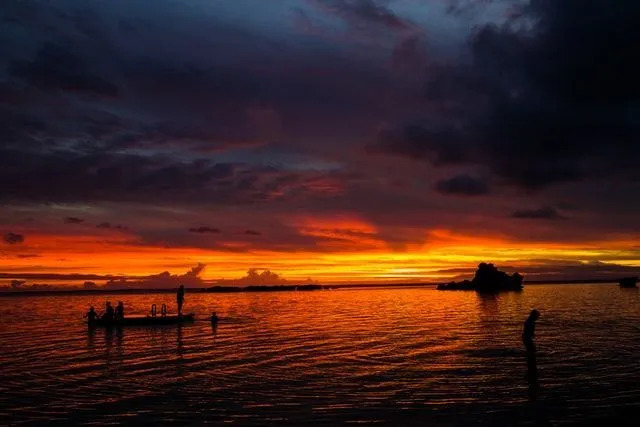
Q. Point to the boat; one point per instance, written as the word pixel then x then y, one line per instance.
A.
pixel 145 321
pixel 628 282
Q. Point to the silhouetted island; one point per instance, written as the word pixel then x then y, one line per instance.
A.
pixel 487 279
pixel 628 282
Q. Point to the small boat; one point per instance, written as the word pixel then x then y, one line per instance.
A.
pixel 628 282
pixel 144 321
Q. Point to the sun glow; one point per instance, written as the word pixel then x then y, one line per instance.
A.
pixel 444 255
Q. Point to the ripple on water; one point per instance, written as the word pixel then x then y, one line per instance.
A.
pixel 352 356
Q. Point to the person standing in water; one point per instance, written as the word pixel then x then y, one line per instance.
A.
pixel 180 299
pixel 108 313
pixel 528 334
pixel 91 315
pixel 119 311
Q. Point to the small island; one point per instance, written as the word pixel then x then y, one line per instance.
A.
pixel 628 282
pixel 487 279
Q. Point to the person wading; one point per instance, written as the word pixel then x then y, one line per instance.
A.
pixel 528 334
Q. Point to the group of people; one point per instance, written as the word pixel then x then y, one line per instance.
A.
pixel 110 314
pixel 113 315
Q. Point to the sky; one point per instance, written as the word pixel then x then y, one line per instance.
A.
pixel 335 140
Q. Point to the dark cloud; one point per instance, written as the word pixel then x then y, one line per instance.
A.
pixel 13 238
pixel 73 220
pixel 263 277
pixel 110 226
pixel 558 269
pixel 365 12
pixel 575 270
pixel 115 106
pixel 56 276
pixel 464 185
pixel 155 281
pixel 16 284
pixel 57 67
pixel 550 97
pixel 252 233
pixel 162 280
pixel 204 229
pixel 541 213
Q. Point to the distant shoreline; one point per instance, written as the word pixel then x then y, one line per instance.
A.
pixel 275 288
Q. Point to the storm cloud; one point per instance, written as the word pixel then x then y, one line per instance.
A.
pixel 319 125
pixel 13 238
pixel 540 213
pixel 462 185
pixel 549 97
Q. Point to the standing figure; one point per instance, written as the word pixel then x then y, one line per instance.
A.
pixel 91 315
pixel 108 312
pixel 120 311
pixel 528 334
pixel 180 299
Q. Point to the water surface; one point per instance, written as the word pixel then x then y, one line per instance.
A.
pixel 388 356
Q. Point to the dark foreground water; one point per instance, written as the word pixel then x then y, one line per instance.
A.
pixel 387 356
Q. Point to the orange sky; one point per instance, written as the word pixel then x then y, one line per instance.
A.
pixel 119 253
pixel 350 143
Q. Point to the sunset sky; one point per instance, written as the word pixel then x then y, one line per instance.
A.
pixel 338 140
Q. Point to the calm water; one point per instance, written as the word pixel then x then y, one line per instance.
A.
pixel 328 357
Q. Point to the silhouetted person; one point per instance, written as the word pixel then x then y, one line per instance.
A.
pixel 528 334
pixel 180 299
pixel 91 315
pixel 120 311
pixel 108 313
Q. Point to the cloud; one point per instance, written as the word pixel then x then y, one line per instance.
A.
pixel 252 233
pixel 263 277
pixel 161 281
pixel 17 284
pixel 204 229
pixel 360 13
pixel 109 226
pixel 464 185
pixel 13 238
pixel 540 213
pixel 532 105
pixel 57 67
pixel 73 220
pixel 576 270
pixel 208 113
pixel 557 269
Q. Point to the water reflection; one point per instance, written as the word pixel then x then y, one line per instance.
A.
pixel 179 341
pixel 488 302
pixel 326 358
pixel 91 338
pixel 110 334
pixel 214 330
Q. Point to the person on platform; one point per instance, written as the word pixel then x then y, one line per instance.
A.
pixel 180 299
pixel 109 314
pixel 120 311
pixel 91 315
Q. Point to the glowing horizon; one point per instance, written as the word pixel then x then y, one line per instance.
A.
pixel 445 256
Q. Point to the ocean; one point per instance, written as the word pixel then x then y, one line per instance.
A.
pixel 390 356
